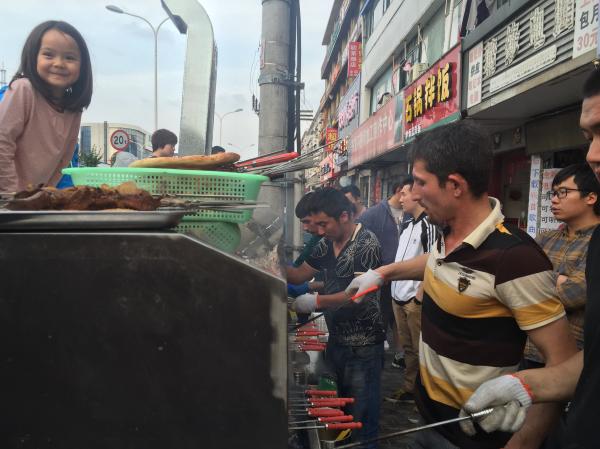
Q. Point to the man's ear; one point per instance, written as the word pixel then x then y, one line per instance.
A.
pixel 591 198
pixel 344 217
pixel 457 184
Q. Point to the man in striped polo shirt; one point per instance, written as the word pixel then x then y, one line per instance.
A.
pixel 487 286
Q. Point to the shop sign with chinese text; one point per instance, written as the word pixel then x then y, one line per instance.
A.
pixel 354 58
pixel 434 96
pixel 585 37
pixel 379 134
pixel 331 135
pixel 348 110
pixel 327 167
pixel 474 73
pixel 347 120
pixel 547 221
pixel 532 41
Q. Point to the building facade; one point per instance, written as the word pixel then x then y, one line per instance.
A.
pixel 403 46
pixel 515 67
pixel 523 69
pixel 105 139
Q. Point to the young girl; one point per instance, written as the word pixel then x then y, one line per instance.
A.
pixel 41 110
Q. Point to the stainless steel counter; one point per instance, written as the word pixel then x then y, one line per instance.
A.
pixel 138 340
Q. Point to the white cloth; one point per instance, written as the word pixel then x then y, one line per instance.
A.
pixel 123 159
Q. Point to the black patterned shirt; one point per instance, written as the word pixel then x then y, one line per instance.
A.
pixel 351 324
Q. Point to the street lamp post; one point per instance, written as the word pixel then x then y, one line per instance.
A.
pixel 118 10
pixel 221 117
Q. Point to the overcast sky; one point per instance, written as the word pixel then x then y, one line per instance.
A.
pixel 122 49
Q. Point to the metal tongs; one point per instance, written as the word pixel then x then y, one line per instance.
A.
pixel 473 416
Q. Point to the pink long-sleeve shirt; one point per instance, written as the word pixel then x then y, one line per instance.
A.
pixel 36 141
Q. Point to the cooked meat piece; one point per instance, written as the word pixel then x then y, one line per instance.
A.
pixel 125 196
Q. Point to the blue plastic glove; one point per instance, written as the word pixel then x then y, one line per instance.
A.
pixel 295 290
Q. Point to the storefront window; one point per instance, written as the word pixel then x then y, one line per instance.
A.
pixel 381 87
pixel 373 17
pixel 85 140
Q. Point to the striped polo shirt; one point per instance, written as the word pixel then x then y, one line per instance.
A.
pixel 478 302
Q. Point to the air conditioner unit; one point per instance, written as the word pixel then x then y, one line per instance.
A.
pixel 418 69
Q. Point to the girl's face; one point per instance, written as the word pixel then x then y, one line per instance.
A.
pixel 58 61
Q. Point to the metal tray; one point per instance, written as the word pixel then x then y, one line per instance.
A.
pixel 88 220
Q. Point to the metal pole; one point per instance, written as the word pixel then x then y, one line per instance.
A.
pixel 118 10
pixel 220 131
pixel 221 117
pixel 274 76
pixel 156 73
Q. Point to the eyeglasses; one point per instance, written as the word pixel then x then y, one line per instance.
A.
pixel 562 192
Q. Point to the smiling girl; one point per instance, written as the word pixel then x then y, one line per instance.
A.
pixel 41 110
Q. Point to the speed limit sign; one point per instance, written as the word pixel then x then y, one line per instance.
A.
pixel 119 140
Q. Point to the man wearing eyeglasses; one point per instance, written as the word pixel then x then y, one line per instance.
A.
pixel 575 202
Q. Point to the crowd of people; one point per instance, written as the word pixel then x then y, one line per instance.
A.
pixel 486 317
pixel 483 315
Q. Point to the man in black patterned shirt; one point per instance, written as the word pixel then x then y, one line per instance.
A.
pixel 356 332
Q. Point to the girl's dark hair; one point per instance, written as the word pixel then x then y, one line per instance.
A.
pixel 81 94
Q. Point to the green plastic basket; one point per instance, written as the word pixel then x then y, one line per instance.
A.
pixel 193 185
pixel 223 236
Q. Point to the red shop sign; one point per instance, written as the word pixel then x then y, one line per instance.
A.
pixel 374 137
pixel 330 136
pixel 354 58
pixel 327 167
pixel 434 96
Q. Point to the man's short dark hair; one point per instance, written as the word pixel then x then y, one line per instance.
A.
pixel 331 202
pixel 352 190
pixel 217 149
pixel 461 147
pixel 591 87
pixel 395 187
pixel 302 208
pixel 162 137
pixel 584 179
pixel 408 181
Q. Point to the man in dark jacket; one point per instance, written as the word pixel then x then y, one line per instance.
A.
pixel 385 221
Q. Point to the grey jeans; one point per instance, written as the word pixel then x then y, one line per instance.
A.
pixel 430 439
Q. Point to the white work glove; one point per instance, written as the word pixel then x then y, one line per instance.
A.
pixel 510 399
pixel 306 303
pixel 363 282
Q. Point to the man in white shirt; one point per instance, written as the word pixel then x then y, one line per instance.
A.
pixel 417 238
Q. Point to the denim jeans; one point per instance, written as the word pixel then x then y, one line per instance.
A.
pixel 358 371
pixel 430 439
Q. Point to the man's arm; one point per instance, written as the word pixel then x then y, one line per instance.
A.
pixel 554 383
pixel 335 300
pixel 556 345
pixel 511 395
pixel 298 275
pixel 571 289
pixel 412 269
